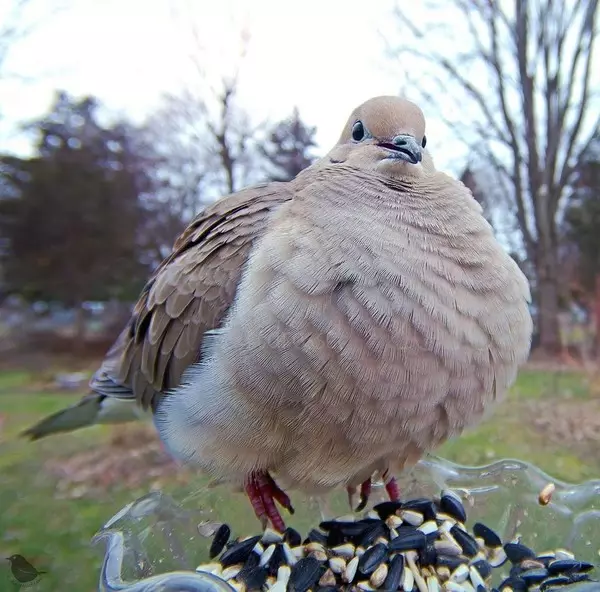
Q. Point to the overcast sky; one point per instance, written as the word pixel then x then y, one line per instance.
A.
pixel 323 56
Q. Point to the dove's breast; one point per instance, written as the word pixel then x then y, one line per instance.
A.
pixel 372 336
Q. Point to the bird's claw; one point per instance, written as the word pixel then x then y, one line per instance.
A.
pixel 263 492
pixel 391 486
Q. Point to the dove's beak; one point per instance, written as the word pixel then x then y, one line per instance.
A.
pixel 404 147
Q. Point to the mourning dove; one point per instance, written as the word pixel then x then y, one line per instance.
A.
pixel 325 329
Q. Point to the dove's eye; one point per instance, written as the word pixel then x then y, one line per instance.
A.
pixel 424 142
pixel 358 131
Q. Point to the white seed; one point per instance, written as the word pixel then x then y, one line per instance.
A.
pixel 381 540
pixel 393 533
pixel 213 568
pixel 480 542
pixel 278 587
pixel 443 572
pixel 478 557
pixel 433 584
pixel 453 587
pixel 359 551
pixel 337 565
pixel 311 547
pixel 446 526
pixel 283 573
pixel 476 577
pixel 410 560
pixel 393 521
pixel 446 518
pixel 378 576
pixel 373 514
pixel 298 551
pixel 319 556
pixel 412 517
pixel 469 588
pixel 327 579
pixel 447 547
pixel 346 550
pixel 271 581
pixel 271 536
pixel 498 557
pixel 364 586
pixel 290 558
pixel 350 570
pixel 231 571
pixel 408 580
pixel 258 548
pixel 264 558
pixel 346 518
pixel 460 574
pixel 562 554
pixel 428 527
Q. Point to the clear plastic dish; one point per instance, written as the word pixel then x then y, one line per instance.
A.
pixel 155 543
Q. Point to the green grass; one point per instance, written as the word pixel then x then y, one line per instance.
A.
pixel 55 533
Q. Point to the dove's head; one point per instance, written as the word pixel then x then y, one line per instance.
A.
pixel 385 135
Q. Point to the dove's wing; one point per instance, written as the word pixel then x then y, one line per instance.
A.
pixel 187 295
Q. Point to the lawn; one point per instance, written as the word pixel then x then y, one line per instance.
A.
pixel 49 515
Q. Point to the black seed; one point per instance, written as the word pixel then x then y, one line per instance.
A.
pixel 451 504
pixel 517 584
pixel 409 540
pixel 432 537
pixel 450 561
pixel 219 540
pixel 423 505
pixel 346 528
pixel 372 558
pixel 367 538
pixel 254 578
pixel 335 537
pixel 428 555
pixel 253 560
pixel 533 576
pixel 395 573
pixel 569 565
pixel 515 570
pixel 480 588
pixel 292 537
pixel 483 567
pixel 316 536
pixel 516 552
pixel 327 589
pixel 490 538
pixel 386 509
pixel 239 552
pixel 277 559
pixel 549 583
pixel 467 543
pixel 305 574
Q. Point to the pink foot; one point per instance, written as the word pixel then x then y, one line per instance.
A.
pixel 263 492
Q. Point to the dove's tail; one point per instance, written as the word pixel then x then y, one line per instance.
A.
pixel 93 409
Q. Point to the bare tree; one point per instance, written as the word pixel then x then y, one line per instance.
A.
pixel 524 89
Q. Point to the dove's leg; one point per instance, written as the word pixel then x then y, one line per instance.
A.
pixel 391 486
pixel 263 493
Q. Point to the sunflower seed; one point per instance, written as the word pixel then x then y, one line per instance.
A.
pixel 292 537
pixel 304 574
pixel 394 574
pixel 254 578
pixel 316 536
pixel 364 586
pixel 238 552
pixel 450 586
pixel 410 561
pixel 568 565
pixel 346 550
pixel 219 540
pixel 372 558
pixel 350 571
pixel 517 552
pixel 412 517
pixel 386 509
pixel 408 540
pixel 563 554
pixel 483 567
pixel 327 579
pixel 393 521
pixel 433 584
pixel 490 538
pixel 213 568
pixel 460 574
pixel 498 557
pixel 408 579
pixel 290 558
pixel 476 578
pixel 231 571
pixel 337 565
pixel 379 575
pixel 450 503
pixel 465 540
pixel 264 558
pixel 448 545
pixel 271 536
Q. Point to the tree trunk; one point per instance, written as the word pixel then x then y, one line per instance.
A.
pixel 548 301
